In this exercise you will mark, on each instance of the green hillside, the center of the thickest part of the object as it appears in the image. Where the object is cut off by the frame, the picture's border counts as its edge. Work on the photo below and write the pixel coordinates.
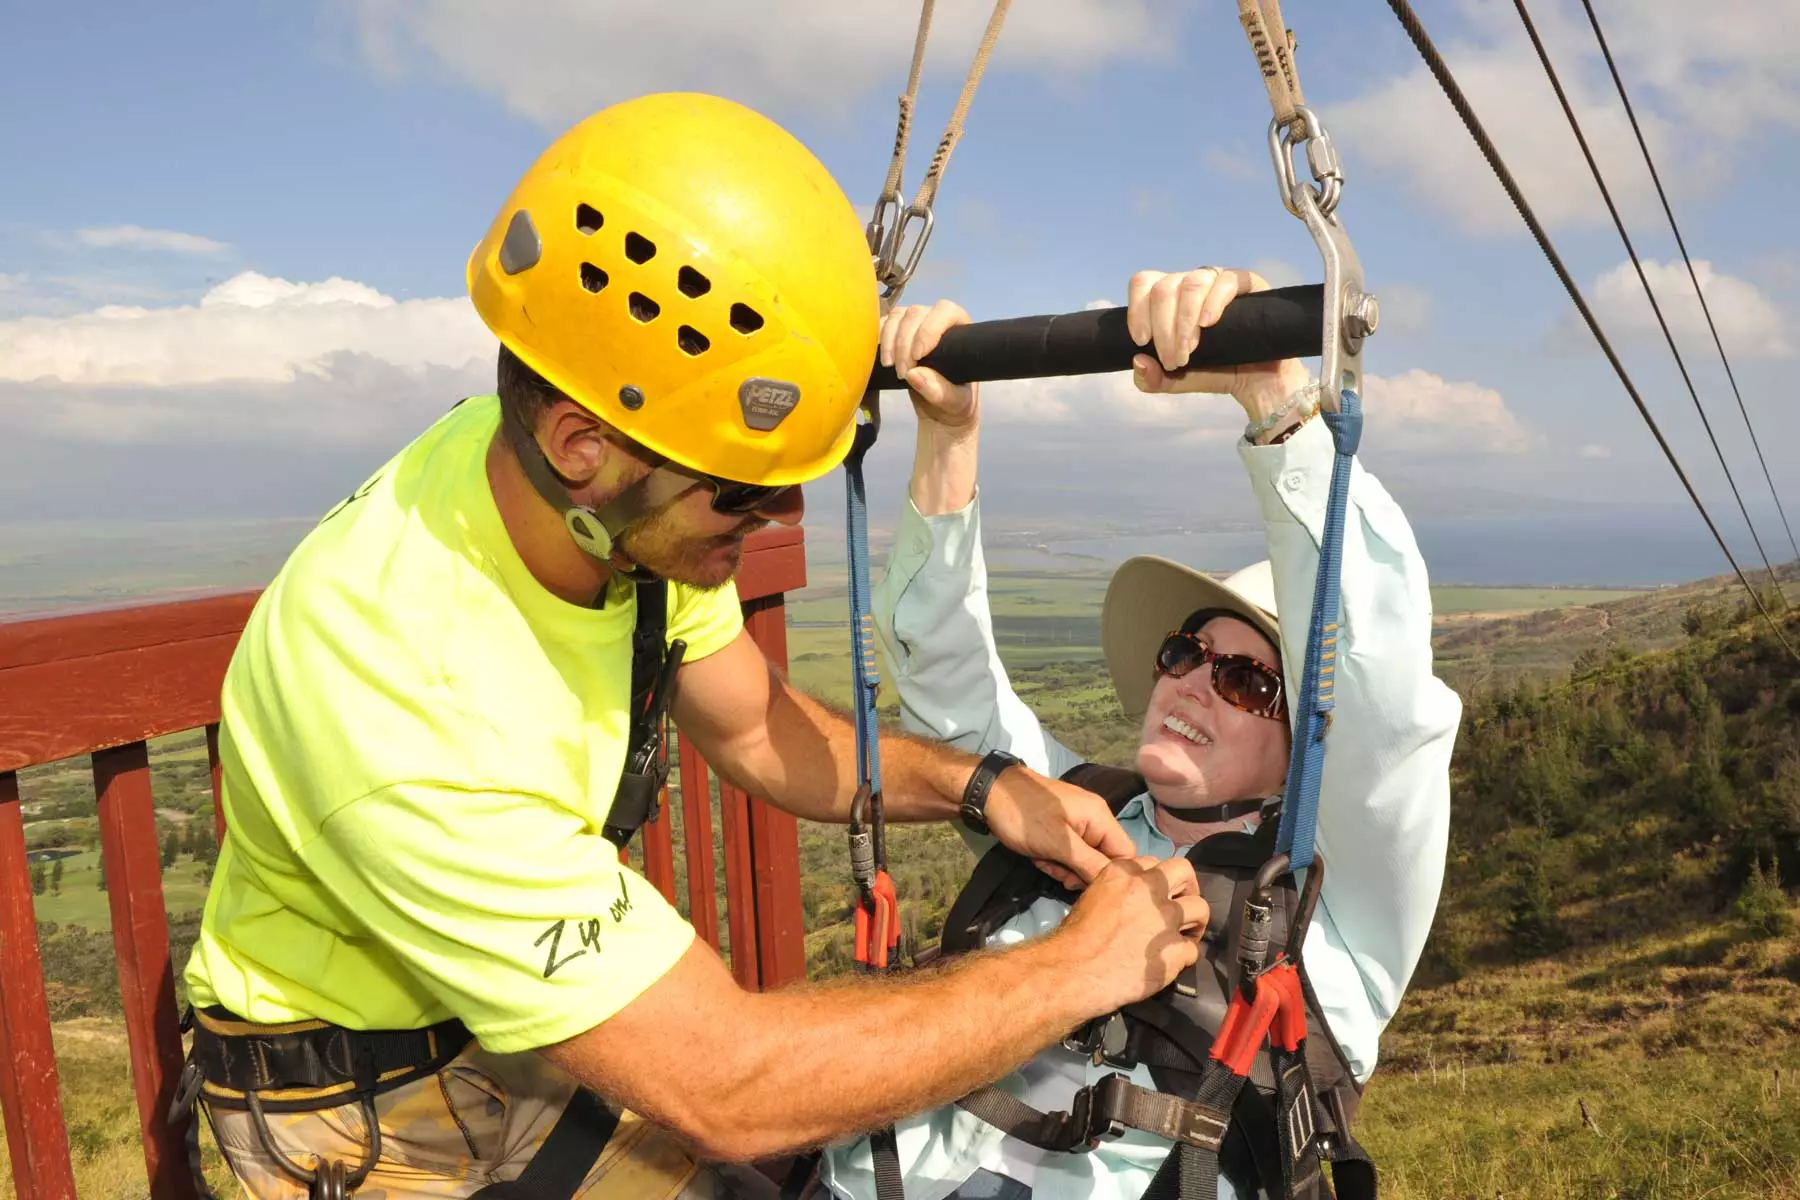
(1610, 1002)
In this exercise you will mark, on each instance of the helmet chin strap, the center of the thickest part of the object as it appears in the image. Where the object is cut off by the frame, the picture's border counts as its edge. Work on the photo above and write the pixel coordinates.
(595, 530)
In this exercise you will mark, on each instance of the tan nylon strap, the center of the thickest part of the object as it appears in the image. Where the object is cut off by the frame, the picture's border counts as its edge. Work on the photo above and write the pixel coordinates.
(928, 188)
(891, 189)
(1273, 44)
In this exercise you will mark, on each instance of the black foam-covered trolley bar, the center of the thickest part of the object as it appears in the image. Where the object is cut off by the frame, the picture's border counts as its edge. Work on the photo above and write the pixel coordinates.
(1260, 327)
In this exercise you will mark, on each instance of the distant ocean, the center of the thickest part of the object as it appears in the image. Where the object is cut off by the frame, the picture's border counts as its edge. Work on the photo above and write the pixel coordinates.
(1565, 550)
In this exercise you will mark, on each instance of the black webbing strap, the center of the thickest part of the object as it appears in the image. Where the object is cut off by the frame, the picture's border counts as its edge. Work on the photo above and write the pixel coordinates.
(1191, 1172)
(1063, 1131)
(1352, 1170)
(1105, 1109)
(653, 667)
(1296, 1125)
(575, 1143)
(884, 1154)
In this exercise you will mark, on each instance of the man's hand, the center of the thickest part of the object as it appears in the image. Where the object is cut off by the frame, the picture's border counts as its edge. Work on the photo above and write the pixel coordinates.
(1172, 312)
(1068, 831)
(1136, 929)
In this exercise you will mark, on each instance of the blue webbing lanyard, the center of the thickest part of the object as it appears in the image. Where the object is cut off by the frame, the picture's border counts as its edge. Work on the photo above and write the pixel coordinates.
(1306, 762)
(867, 679)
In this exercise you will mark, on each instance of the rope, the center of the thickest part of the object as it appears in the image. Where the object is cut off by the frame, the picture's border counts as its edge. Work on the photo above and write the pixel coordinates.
(1274, 45)
(1636, 265)
(890, 190)
(895, 262)
(1692, 276)
(1435, 63)
(928, 188)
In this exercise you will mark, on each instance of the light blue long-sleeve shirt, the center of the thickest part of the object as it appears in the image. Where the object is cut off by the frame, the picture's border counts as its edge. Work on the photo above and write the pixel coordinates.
(1384, 805)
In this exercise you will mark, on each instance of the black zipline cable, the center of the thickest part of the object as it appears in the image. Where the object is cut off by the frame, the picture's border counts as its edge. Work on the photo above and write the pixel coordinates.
(1636, 265)
(1694, 278)
(1435, 63)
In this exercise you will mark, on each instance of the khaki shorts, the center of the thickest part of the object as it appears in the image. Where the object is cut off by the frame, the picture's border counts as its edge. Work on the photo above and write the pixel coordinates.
(478, 1120)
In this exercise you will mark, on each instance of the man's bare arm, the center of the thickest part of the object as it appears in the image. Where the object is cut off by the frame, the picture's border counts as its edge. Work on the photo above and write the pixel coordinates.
(745, 1075)
(783, 745)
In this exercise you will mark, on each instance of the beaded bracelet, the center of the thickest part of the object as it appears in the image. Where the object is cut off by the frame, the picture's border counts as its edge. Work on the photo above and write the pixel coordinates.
(1305, 402)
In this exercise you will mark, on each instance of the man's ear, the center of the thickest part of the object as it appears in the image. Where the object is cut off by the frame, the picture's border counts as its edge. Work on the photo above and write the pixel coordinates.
(575, 442)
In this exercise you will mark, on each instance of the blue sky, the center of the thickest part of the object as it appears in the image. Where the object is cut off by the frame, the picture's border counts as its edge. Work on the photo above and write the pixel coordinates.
(154, 155)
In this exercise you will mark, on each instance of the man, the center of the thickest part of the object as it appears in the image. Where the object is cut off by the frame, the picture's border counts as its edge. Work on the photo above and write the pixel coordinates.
(1199, 663)
(429, 718)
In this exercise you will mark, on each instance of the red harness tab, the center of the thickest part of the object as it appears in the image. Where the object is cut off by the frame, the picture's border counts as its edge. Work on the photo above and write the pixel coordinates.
(878, 925)
(1289, 1029)
(1245, 1026)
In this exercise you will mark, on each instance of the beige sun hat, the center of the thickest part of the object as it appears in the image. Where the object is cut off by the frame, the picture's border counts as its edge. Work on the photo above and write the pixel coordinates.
(1149, 596)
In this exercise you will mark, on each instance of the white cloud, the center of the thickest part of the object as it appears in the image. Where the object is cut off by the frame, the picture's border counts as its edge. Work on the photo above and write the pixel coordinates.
(1415, 412)
(251, 327)
(136, 237)
(1420, 412)
(328, 362)
(10, 283)
(1594, 450)
(557, 60)
(1693, 72)
(1749, 323)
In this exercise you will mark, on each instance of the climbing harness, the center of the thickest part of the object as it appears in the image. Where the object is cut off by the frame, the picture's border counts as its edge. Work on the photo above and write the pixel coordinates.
(1200, 1038)
(308, 1066)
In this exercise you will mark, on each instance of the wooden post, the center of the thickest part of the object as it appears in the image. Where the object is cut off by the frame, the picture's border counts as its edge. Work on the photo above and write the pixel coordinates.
(740, 897)
(659, 850)
(141, 945)
(697, 839)
(35, 1133)
(775, 837)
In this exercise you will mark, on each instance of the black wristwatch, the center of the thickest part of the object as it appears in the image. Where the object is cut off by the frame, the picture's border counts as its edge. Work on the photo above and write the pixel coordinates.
(975, 795)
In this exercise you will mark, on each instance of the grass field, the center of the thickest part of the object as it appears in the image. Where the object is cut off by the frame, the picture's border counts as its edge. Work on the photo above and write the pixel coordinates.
(83, 903)
(1517, 600)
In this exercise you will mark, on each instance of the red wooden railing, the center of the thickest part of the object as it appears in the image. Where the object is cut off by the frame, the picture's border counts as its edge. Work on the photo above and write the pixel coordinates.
(103, 683)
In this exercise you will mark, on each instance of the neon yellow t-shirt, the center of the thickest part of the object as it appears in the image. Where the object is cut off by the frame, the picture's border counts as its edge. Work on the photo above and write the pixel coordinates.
(420, 745)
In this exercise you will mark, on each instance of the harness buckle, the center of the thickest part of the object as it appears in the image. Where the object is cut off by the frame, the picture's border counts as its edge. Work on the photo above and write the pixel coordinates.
(1102, 1040)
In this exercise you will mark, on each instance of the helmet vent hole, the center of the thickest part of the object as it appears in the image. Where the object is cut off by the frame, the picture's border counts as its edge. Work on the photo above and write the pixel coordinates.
(692, 341)
(638, 248)
(592, 277)
(643, 308)
(588, 219)
(745, 319)
(692, 283)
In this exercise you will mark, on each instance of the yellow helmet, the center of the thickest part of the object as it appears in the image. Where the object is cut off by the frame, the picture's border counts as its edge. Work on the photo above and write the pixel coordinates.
(690, 273)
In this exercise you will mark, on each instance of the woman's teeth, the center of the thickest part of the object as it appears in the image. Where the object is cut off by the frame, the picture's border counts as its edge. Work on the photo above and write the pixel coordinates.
(1175, 724)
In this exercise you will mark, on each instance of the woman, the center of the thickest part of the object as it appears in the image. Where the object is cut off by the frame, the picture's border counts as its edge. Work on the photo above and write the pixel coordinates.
(1210, 737)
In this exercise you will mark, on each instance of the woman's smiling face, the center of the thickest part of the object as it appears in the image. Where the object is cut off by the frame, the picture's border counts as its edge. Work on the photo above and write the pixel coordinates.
(1196, 749)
